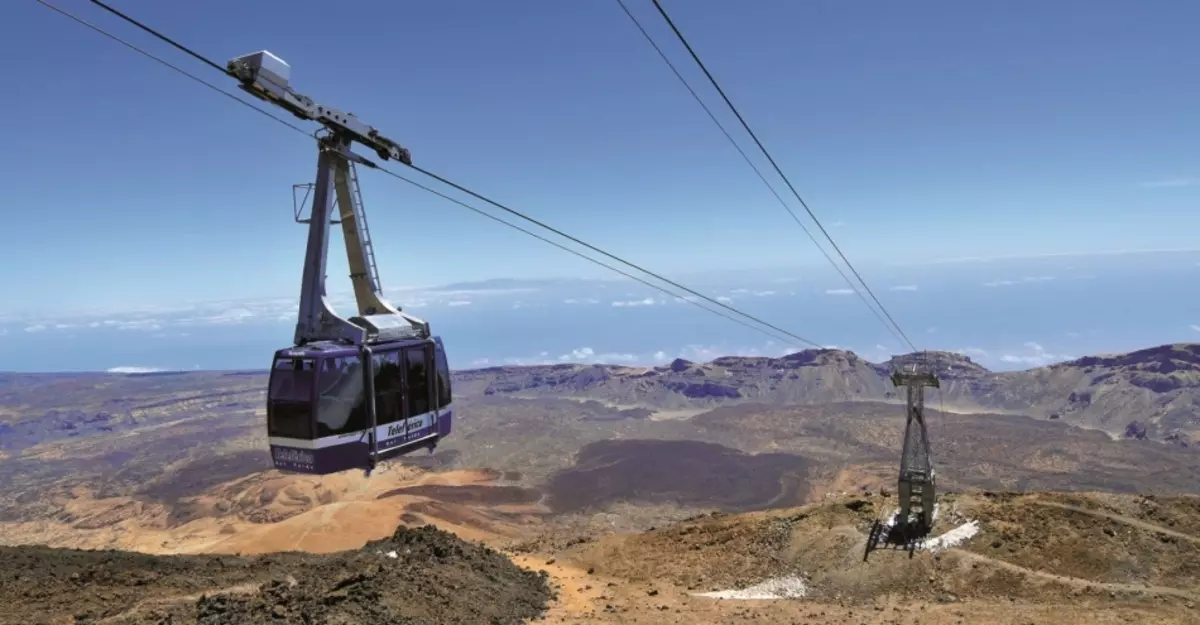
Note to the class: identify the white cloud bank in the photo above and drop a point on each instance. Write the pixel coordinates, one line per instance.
(254, 310)
(1040, 255)
(1025, 280)
(903, 287)
(589, 355)
(1029, 355)
(1035, 356)
(649, 301)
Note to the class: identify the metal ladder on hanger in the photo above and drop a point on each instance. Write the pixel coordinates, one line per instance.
(364, 232)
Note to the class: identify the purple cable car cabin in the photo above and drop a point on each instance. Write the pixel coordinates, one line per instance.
(318, 418)
(351, 392)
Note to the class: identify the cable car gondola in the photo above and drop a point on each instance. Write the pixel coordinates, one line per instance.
(348, 392)
(318, 413)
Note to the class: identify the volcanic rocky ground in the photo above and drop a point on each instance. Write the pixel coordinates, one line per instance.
(608, 478)
(420, 575)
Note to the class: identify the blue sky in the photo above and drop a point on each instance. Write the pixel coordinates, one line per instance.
(917, 132)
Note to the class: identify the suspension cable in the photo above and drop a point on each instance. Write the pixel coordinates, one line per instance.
(695, 96)
(779, 171)
(300, 130)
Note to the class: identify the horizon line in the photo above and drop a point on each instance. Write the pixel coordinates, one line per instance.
(151, 371)
(984, 259)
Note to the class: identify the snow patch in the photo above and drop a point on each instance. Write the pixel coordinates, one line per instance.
(777, 588)
(946, 540)
(953, 538)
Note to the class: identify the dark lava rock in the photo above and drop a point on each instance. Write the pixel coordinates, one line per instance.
(698, 390)
(1136, 429)
(1156, 383)
(596, 374)
(433, 578)
(680, 365)
(1083, 399)
(1178, 438)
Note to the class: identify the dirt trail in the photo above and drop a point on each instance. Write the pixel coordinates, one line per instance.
(1120, 518)
(172, 603)
(1078, 582)
(578, 591)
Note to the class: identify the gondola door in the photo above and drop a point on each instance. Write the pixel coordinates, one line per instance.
(389, 396)
(418, 388)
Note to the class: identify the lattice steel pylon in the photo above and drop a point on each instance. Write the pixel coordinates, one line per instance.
(916, 466)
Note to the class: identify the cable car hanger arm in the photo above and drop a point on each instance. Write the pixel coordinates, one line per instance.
(267, 77)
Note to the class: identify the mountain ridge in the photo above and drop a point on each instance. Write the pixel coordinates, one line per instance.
(1148, 393)
(1151, 393)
